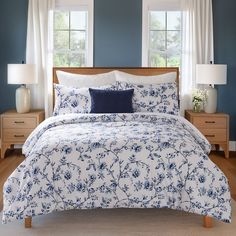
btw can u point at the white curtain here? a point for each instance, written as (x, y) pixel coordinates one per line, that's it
(198, 47)
(39, 51)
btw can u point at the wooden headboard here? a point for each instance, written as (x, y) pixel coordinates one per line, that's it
(135, 71)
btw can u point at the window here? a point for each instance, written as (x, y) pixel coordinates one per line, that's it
(164, 39)
(73, 33)
(70, 38)
(162, 33)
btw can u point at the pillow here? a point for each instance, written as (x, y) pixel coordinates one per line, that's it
(137, 79)
(73, 100)
(105, 101)
(85, 81)
(160, 98)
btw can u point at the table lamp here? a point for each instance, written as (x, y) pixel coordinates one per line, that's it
(211, 74)
(22, 74)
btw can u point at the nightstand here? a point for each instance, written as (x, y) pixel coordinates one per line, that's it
(16, 127)
(215, 127)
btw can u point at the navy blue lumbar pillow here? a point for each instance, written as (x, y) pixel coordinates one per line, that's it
(111, 101)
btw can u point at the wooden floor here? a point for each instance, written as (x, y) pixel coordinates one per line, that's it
(228, 166)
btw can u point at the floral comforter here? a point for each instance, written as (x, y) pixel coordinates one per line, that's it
(139, 160)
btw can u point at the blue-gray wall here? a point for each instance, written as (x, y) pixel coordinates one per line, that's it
(117, 33)
(225, 53)
(118, 42)
(13, 25)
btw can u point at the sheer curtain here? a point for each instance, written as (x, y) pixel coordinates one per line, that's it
(39, 51)
(198, 46)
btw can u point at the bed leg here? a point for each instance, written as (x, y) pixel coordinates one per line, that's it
(207, 222)
(28, 222)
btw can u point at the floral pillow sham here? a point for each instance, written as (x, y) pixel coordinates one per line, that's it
(161, 98)
(74, 100)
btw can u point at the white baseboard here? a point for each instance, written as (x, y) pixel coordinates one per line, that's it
(232, 146)
(18, 146)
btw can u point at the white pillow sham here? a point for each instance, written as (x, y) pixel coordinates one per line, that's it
(85, 81)
(137, 79)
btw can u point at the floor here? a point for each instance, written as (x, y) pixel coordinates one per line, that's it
(228, 166)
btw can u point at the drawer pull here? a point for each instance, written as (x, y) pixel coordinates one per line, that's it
(210, 136)
(19, 136)
(19, 122)
(210, 122)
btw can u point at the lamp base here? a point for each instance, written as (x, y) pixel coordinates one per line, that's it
(211, 100)
(22, 99)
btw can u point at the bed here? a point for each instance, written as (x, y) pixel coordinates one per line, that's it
(120, 160)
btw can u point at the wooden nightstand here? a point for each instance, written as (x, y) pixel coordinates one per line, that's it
(16, 127)
(215, 127)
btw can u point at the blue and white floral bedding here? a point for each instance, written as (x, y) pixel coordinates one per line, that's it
(139, 160)
(161, 98)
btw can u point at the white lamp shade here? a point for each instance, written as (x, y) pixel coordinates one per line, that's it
(211, 74)
(21, 74)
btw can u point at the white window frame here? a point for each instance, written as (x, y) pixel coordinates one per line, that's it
(81, 5)
(154, 5)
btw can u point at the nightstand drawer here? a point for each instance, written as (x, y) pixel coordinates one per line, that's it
(210, 122)
(20, 123)
(215, 135)
(16, 135)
